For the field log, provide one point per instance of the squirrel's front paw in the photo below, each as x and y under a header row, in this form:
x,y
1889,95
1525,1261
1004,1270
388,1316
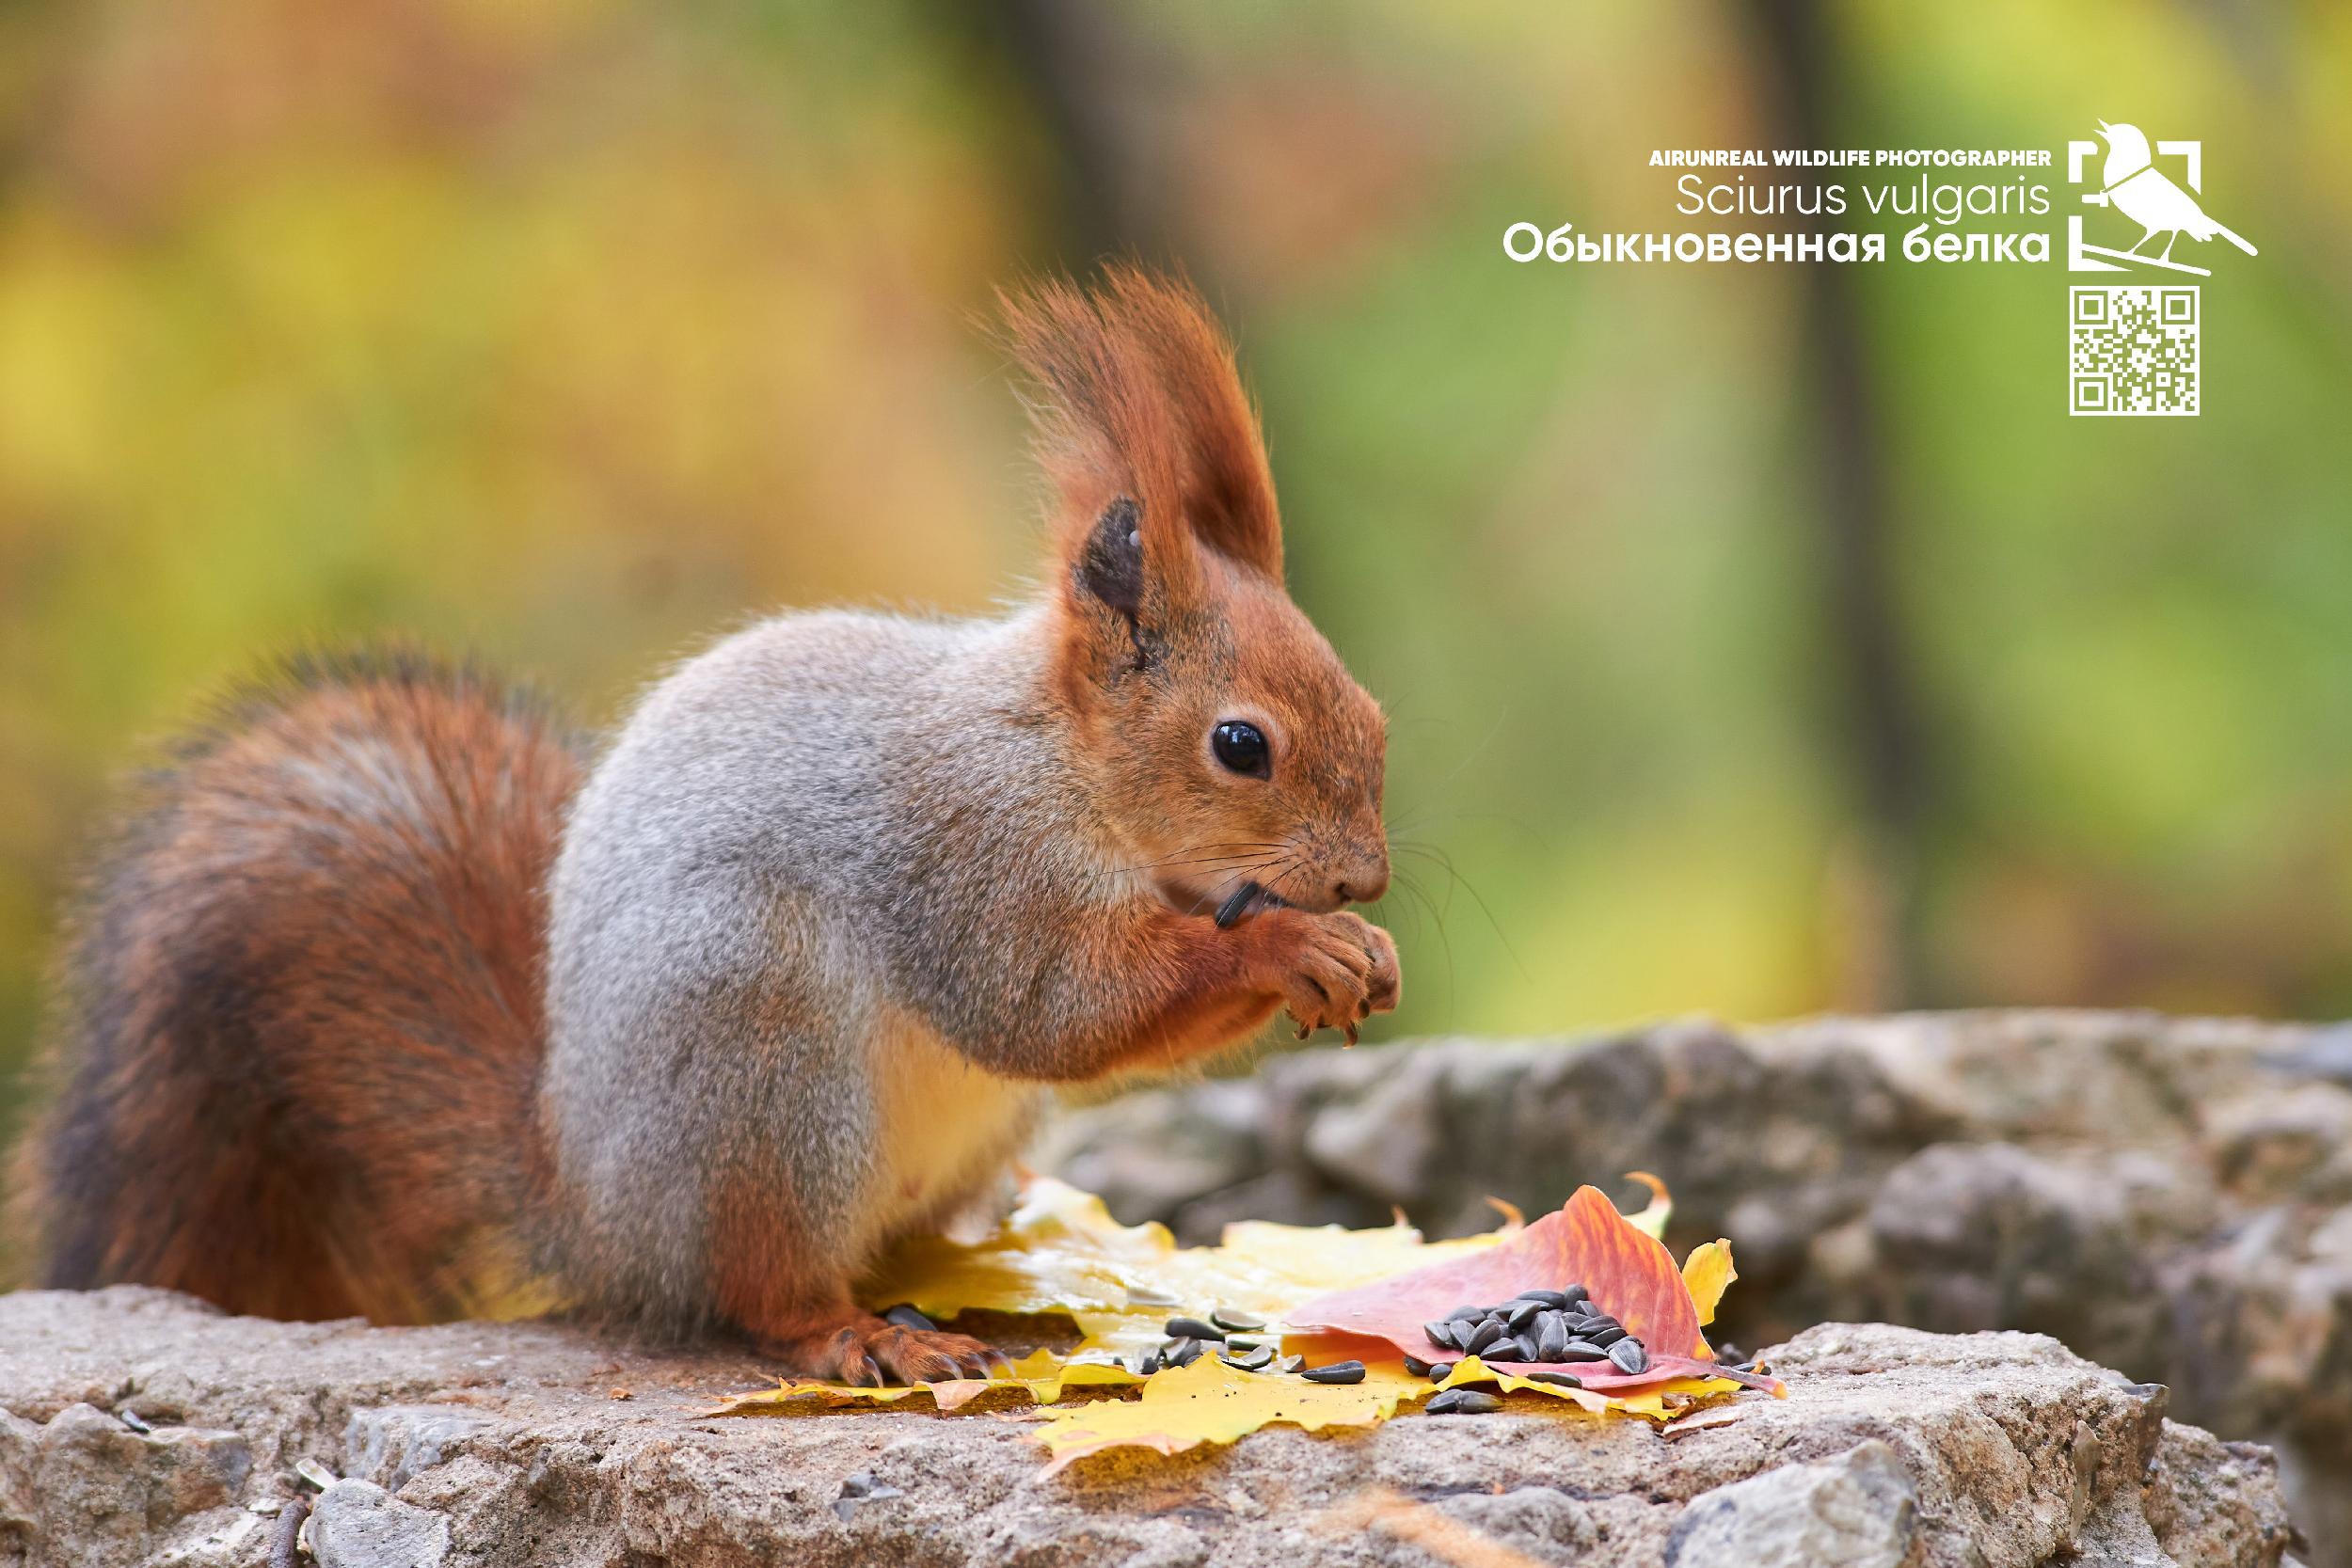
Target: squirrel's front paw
x,y
1343,971
868,1352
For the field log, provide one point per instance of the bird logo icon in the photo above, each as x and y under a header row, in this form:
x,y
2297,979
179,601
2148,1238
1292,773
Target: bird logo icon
x,y
2132,184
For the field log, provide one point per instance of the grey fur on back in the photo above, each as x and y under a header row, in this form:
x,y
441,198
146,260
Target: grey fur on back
x,y
797,848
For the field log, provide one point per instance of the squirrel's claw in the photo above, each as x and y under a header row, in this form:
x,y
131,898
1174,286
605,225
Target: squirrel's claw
x,y
872,1354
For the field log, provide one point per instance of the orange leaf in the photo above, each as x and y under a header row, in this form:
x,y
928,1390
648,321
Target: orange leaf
x,y
1629,1273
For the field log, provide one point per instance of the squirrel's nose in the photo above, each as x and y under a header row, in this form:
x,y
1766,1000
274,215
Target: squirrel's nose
x,y
1363,888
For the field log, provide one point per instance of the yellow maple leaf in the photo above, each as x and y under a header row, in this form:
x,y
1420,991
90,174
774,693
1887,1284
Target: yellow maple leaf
x,y
1042,1374
1209,1402
1708,1272
1061,1252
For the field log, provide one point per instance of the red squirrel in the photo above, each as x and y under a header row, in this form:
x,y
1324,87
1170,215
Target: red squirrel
x,y
394,999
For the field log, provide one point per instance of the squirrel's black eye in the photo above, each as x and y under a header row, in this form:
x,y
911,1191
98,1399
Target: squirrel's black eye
x,y
1240,747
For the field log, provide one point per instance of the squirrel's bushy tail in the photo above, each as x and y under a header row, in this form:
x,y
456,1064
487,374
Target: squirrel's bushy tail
x,y
301,1019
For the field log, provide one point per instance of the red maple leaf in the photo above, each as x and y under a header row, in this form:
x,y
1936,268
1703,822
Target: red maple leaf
x,y
1628,1273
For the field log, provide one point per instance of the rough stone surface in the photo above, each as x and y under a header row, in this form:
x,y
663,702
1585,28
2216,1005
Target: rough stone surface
x,y
1857,1510
477,1445
357,1524
2170,1196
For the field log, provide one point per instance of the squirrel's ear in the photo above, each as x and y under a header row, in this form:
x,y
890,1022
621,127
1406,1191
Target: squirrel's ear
x,y
1110,565
1137,405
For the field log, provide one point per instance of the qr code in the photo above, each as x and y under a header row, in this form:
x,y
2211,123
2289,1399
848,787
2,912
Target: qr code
x,y
2132,351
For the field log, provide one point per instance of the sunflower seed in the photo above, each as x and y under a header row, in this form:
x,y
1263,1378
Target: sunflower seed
x,y
1233,1318
1485,1334
1438,1370
1416,1366
1565,1380
1182,1352
1550,1298
1193,1328
1520,1313
1505,1349
1582,1350
1441,1333
1605,1337
1290,1366
1251,1361
1462,1402
1242,1344
1473,1313
1143,1363
1575,1293
906,1317
1551,1341
1337,1371
1629,1356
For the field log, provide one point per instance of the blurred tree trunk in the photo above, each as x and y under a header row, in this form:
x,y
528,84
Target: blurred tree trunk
x,y
1883,744
1084,78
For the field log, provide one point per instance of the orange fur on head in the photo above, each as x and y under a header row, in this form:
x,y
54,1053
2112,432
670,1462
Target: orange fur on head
x,y
1170,616
1136,395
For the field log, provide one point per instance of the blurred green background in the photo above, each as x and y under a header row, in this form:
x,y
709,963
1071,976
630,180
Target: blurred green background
x,y
1759,639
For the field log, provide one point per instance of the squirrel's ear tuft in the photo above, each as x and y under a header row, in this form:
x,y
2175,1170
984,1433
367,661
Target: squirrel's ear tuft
x,y
1135,396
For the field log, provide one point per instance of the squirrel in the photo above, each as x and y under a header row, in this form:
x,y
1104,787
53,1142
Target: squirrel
x,y
394,1000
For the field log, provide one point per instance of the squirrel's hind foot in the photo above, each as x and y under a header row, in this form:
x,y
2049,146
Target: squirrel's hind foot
x,y
868,1352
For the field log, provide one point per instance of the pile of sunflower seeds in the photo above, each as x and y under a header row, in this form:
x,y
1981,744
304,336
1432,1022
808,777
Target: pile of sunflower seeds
x,y
1238,1337
1535,1325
